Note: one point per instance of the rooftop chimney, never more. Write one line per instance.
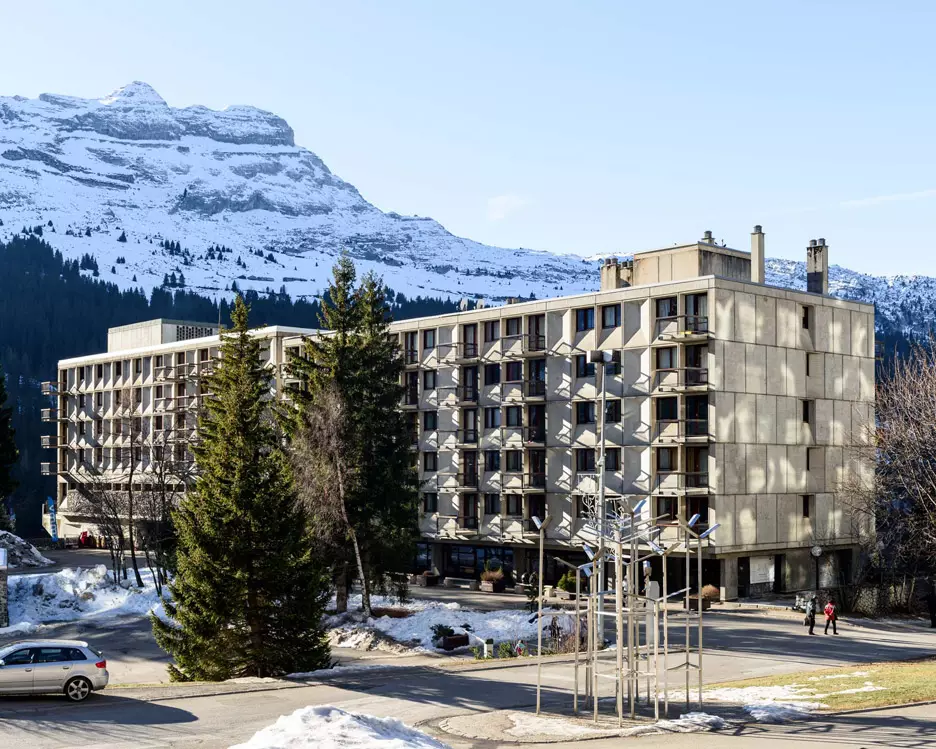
(817, 267)
(757, 255)
(707, 238)
(615, 275)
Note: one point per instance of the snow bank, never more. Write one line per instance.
(76, 594)
(327, 726)
(21, 553)
(686, 723)
(415, 630)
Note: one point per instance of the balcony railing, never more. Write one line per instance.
(678, 326)
(534, 481)
(535, 434)
(466, 350)
(678, 379)
(49, 440)
(467, 436)
(680, 481)
(468, 522)
(411, 356)
(467, 393)
(49, 414)
(468, 478)
(536, 388)
(673, 430)
(48, 469)
(411, 396)
(52, 387)
(533, 342)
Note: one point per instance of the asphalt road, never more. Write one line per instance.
(224, 715)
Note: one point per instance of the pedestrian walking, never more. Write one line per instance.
(811, 608)
(830, 617)
(930, 599)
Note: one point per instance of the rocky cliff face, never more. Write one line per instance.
(130, 165)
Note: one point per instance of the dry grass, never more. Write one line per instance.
(393, 613)
(902, 682)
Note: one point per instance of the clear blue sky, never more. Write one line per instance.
(581, 127)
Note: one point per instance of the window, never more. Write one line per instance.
(492, 504)
(81, 428)
(430, 502)
(585, 412)
(430, 461)
(514, 371)
(74, 654)
(808, 410)
(18, 658)
(429, 379)
(491, 374)
(515, 505)
(491, 331)
(666, 459)
(429, 339)
(514, 325)
(81, 402)
(583, 367)
(430, 420)
(202, 354)
(99, 400)
(158, 423)
(117, 369)
(492, 460)
(492, 418)
(668, 507)
(514, 416)
(612, 459)
(514, 461)
(585, 460)
(410, 341)
(100, 371)
(613, 412)
(585, 319)
(138, 395)
(667, 409)
(666, 307)
(806, 315)
(807, 500)
(698, 506)
(51, 655)
(611, 316)
(613, 368)
(159, 360)
(180, 357)
(666, 358)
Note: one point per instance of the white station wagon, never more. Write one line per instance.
(69, 667)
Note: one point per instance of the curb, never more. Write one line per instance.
(859, 710)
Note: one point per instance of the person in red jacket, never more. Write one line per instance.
(830, 617)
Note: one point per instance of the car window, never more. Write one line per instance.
(50, 655)
(17, 657)
(74, 654)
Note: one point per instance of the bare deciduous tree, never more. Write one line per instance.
(320, 453)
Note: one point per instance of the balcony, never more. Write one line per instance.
(49, 440)
(680, 380)
(164, 374)
(411, 395)
(467, 393)
(467, 522)
(682, 327)
(534, 481)
(681, 482)
(466, 350)
(49, 414)
(681, 430)
(536, 388)
(411, 356)
(534, 343)
(48, 469)
(535, 434)
(467, 436)
(468, 479)
(50, 388)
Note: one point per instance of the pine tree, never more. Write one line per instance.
(361, 363)
(8, 452)
(122, 237)
(248, 595)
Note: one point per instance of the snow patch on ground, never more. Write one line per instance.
(525, 724)
(777, 712)
(77, 593)
(21, 553)
(327, 726)
(686, 723)
(340, 669)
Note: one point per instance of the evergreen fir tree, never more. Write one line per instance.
(248, 597)
(122, 237)
(8, 452)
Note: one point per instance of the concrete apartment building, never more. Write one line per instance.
(731, 399)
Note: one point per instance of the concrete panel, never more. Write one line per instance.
(841, 331)
(859, 334)
(724, 314)
(766, 519)
(834, 467)
(745, 520)
(822, 430)
(776, 371)
(851, 378)
(833, 376)
(745, 417)
(776, 469)
(788, 420)
(766, 322)
(796, 372)
(825, 518)
(716, 364)
(866, 380)
(723, 509)
(724, 409)
(755, 369)
(796, 469)
(745, 317)
(789, 513)
(756, 465)
(735, 475)
(788, 323)
(717, 468)
(734, 374)
(766, 419)
(822, 330)
(841, 423)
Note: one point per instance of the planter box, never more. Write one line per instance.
(694, 604)
(565, 595)
(492, 586)
(455, 641)
(427, 581)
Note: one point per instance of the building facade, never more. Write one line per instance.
(726, 398)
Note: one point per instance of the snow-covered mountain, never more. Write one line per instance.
(129, 166)
(176, 184)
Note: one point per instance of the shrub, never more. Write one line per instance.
(492, 576)
(441, 630)
(505, 650)
(710, 592)
(567, 582)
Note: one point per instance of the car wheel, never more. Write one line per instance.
(78, 689)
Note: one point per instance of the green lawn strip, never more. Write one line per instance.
(903, 682)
